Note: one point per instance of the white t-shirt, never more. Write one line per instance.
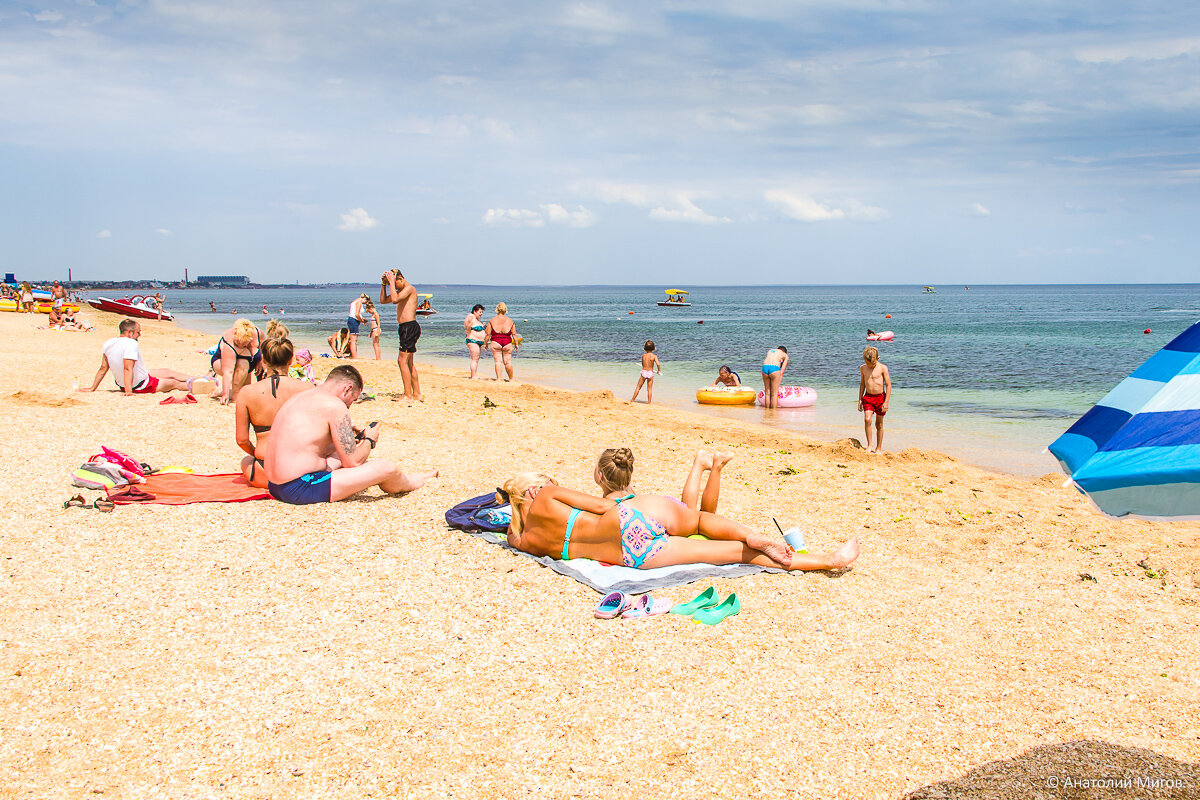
(117, 350)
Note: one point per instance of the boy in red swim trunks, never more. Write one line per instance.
(874, 393)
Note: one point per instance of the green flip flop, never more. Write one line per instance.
(705, 599)
(727, 608)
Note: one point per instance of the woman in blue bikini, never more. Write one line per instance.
(774, 365)
(474, 328)
(614, 474)
(643, 532)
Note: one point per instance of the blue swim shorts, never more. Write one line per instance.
(311, 488)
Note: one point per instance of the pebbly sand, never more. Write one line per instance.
(363, 649)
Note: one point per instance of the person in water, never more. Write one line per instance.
(258, 404)
(315, 455)
(727, 377)
(614, 474)
(500, 336)
(643, 532)
(774, 365)
(874, 395)
(650, 364)
(474, 327)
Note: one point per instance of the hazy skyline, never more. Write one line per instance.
(577, 143)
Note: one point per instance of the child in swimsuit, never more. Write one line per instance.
(874, 394)
(650, 364)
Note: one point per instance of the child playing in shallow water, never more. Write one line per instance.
(650, 364)
(874, 393)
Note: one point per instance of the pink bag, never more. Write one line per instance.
(123, 461)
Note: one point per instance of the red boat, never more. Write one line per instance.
(136, 306)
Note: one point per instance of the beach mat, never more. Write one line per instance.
(606, 578)
(179, 489)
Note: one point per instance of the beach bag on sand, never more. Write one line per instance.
(121, 460)
(472, 515)
(99, 475)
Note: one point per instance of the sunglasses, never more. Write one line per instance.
(503, 495)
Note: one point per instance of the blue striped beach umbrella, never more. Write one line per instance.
(1137, 451)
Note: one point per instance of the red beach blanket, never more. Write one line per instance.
(178, 489)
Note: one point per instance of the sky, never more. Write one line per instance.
(693, 142)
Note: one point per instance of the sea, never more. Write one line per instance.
(987, 374)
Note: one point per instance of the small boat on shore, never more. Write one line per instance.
(676, 298)
(424, 307)
(136, 306)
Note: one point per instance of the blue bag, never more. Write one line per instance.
(469, 515)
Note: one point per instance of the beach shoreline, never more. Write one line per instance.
(995, 630)
(993, 447)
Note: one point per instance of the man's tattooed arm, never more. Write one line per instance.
(344, 431)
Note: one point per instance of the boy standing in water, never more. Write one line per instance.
(874, 393)
(650, 363)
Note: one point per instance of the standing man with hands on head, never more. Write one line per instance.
(395, 289)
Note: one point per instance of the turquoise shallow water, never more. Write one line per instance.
(989, 374)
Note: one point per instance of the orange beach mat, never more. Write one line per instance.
(180, 489)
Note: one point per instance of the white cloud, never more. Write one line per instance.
(551, 213)
(979, 210)
(664, 204)
(104, 234)
(580, 218)
(48, 16)
(164, 232)
(357, 219)
(680, 208)
(513, 217)
(803, 208)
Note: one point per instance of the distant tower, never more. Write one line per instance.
(185, 279)
(69, 275)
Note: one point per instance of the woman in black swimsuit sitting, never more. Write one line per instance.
(257, 405)
(238, 354)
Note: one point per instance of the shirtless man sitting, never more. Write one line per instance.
(315, 455)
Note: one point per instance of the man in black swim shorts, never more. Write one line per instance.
(409, 333)
(395, 289)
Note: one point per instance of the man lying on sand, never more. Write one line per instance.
(643, 532)
(314, 454)
(122, 355)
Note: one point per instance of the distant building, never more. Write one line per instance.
(222, 280)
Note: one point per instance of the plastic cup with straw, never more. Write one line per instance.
(793, 536)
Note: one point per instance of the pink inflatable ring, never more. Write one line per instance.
(791, 397)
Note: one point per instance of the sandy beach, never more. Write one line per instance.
(997, 637)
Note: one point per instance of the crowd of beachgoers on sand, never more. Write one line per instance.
(301, 445)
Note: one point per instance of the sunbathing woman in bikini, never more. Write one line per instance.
(644, 532)
(257, 405)
(614, 474)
